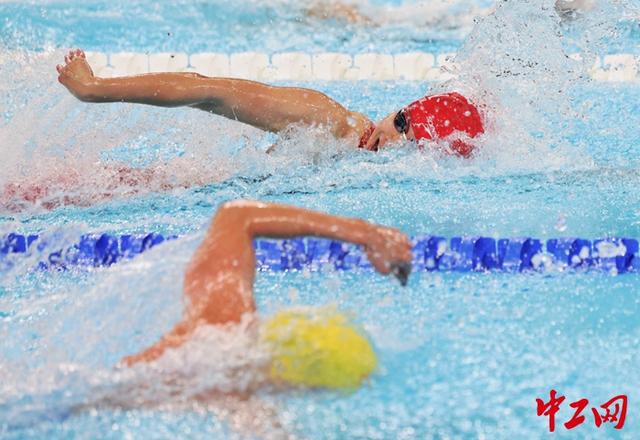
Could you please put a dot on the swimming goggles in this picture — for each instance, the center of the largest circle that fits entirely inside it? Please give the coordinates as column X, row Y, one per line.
column 401, row 123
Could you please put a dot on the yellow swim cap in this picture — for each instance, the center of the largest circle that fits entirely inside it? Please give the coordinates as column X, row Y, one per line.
column 317, row 348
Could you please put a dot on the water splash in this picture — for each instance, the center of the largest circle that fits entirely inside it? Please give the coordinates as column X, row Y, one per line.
column 65, row 331
column 516, row 58
column 514, row 64
column 64, row 344
column 521, row 64
column 83, row 154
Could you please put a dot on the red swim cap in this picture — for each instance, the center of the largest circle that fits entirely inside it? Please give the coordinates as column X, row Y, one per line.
column 438, row 116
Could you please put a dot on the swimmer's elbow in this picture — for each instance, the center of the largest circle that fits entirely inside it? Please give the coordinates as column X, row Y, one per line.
column 237, row 212
column 244, row 216
column 239, row 206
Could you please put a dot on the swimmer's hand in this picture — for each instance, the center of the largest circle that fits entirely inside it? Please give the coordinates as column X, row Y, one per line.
column 173, row 339
column 389, row 251
column 76, row 75
column 384, row 133
column 401, row 272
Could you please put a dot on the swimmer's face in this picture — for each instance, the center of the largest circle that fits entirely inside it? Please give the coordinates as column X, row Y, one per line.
column 389, row 131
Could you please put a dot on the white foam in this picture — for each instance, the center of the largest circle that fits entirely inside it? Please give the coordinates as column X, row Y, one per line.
column 522, row 73
column 73, row 151
column 514, row 63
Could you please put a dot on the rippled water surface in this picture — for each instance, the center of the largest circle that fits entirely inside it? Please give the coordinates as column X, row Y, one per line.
column 219, row 26
column 461, row 355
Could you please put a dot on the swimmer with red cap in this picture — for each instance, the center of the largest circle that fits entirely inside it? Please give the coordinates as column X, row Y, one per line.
column 449, row 117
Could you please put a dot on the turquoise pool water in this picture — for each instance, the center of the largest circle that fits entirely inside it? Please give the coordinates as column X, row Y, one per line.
column 219, row 26
column 274, row 26
column 462, row 355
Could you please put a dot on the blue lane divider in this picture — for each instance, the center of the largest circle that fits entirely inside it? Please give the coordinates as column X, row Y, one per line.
column 430, row 253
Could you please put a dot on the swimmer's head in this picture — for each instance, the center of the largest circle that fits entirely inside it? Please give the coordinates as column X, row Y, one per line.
column 317, row 348
column 435, row 117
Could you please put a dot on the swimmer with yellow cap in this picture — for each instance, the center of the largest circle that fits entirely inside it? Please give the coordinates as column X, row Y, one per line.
column 309, row 347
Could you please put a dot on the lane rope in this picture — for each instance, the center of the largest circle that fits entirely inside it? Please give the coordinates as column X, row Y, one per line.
column 430, row 253
column 300, row 66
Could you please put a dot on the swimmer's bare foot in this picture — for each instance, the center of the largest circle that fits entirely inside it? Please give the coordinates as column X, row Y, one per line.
column 76, row 75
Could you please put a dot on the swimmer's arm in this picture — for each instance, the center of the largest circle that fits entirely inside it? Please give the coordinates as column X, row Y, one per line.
column 281, row 221
column 222, row 269
column 386, row 247
column 260, row 105
column 219, row 280
column 173, row 339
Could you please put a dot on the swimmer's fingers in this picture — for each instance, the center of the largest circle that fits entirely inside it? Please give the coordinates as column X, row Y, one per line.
column 129, row 361
column 59, row 68
column 389, row 251
column 382, row 139
column 73, row 54
column 374, row 140
column 401, row 271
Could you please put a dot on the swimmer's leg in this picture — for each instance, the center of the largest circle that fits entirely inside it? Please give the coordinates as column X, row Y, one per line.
column 260, row 105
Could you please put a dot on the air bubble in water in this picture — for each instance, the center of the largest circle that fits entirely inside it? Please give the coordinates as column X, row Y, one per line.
column 561, row 223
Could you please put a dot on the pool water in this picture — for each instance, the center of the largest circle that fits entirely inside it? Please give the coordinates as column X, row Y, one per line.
column 276, row 26
column 218, row 26
column 461, row 355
